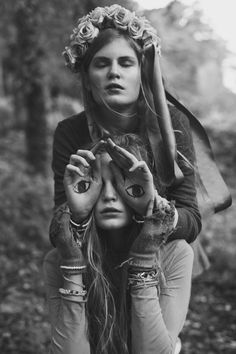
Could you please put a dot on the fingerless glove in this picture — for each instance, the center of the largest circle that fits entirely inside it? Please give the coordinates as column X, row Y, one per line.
column 155, row 231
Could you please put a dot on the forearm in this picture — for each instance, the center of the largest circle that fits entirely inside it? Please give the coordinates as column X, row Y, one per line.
column 158, row 314
column 68, row 333
column 149, row 332
column 67, row 312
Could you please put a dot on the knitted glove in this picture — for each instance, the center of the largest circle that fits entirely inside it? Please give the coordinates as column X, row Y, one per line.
column 68, row 240
column 155, row 231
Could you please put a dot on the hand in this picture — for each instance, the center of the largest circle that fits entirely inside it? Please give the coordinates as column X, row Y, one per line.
column 155, row 231
column 62, row 237
column 133, row 178
column 82, row 182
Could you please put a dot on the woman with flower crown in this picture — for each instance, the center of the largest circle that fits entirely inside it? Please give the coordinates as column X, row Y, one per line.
column 125, row 198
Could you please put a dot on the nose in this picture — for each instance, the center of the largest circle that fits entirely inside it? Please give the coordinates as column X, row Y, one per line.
column 109, row 193
column 114, row 70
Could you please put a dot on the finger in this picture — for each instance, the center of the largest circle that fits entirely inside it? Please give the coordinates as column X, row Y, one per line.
column 70, row 169
column 120, row 160
column 86, row 154
column 123, row 158
column 120, row 150
column 150, row 207
column 141, row 166
column 78, row 160
column 96, row 168
column 98, row 148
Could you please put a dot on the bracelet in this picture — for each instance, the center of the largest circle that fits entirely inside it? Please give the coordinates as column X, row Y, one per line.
column 143, row 279
column 72, row 292
column 65, row 267
column 80, row 226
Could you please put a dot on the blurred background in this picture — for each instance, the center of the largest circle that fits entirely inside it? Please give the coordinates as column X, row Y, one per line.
column 37, row 91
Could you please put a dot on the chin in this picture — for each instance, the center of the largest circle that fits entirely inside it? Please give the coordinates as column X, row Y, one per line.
column 112, row 224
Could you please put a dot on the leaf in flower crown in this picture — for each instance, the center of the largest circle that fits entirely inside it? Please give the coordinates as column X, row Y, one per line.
column 150, row 38
column 78, row 50
column 70, row 59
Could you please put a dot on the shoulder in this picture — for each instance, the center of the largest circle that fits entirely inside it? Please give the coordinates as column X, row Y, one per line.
column 73, row 130
column 76, row 121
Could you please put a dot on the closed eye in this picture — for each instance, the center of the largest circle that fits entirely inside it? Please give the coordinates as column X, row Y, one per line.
column 101, row 62
column 82, row 186
column 127, row 61
column 135, row 191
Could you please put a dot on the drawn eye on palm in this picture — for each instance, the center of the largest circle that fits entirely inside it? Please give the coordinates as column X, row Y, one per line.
column 133, row 178
column 82, row 181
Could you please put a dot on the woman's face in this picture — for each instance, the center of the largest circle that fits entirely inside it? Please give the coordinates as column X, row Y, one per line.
column 114, row 76
column 111, row 213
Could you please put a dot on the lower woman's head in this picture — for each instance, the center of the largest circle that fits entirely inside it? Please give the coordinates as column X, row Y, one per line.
column 111, row 212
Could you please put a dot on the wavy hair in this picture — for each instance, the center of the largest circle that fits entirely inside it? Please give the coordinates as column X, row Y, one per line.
column 106, row 309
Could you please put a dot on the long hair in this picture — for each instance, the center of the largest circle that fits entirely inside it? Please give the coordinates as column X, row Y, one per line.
column 106, row 308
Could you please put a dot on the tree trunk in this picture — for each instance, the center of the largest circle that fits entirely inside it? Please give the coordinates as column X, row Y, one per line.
column 30, row 72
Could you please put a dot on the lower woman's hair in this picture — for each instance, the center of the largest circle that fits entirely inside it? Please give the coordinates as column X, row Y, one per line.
column 107, row 327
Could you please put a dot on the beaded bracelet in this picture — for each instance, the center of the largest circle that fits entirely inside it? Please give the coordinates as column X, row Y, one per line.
column 80, row 226
column 70, row 270
column 71, row 292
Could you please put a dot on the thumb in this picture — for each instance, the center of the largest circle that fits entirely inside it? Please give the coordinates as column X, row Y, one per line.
column 150, row 207
column 96, row 165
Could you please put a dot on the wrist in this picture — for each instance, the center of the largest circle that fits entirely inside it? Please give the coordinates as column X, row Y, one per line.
column 73, row 281
column 79, row 218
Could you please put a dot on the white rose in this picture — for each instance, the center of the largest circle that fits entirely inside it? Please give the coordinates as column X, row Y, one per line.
column 97, row 16
column 136, row 28
column 111, row 10
column 86, row 32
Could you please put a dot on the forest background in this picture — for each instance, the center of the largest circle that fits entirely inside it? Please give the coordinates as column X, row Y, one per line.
column 36, row 92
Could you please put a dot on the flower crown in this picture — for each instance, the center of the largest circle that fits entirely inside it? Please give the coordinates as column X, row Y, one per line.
column 115, row 16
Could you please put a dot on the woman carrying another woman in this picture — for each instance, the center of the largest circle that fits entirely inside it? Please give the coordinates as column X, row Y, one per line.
column 125, row 209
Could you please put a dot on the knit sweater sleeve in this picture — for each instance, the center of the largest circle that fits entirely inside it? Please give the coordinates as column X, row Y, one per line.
column 184, row 194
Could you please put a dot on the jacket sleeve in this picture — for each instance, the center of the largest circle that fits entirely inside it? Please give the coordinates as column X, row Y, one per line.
column 70, row 135
column 184, row 194
column 67, row 318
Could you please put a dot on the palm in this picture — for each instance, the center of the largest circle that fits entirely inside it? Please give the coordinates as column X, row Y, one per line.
column 82, row 181
column 134, row 179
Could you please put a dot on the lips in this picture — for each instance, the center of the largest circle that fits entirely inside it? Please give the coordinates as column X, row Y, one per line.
column 110, row 210
column 114, row 86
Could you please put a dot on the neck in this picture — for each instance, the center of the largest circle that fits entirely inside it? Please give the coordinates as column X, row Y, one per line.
column 117, row 239
column 125, row 122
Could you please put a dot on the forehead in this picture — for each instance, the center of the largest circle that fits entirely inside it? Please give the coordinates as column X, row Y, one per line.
column 118, row 47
